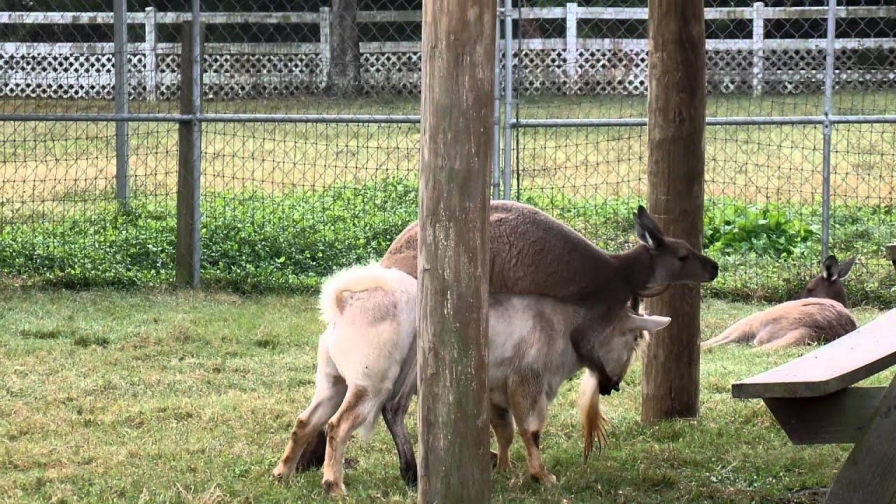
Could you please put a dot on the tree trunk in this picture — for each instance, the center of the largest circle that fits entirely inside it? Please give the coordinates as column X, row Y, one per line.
column 344, row 74
column 455, row 167
column 676, row 119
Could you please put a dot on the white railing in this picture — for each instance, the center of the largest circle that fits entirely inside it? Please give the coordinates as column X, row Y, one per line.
column 571, row 64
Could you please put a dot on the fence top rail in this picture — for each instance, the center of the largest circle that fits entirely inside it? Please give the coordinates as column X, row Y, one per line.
column 313, row 17
column 29, row 48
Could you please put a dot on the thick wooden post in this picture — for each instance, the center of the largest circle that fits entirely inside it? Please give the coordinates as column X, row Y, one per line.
column 457, row 136
column 676, row 117
column 189, row 169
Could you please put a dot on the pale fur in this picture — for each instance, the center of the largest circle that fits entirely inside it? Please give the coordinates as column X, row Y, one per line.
column 594, row 422
column 799, row 322
column 371, row 331
column 356, row 279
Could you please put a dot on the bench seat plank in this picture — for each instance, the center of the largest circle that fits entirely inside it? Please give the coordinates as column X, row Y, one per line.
column 864, row 352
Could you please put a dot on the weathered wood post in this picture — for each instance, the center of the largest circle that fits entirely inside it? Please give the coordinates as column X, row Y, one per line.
column 189, row 164
column 457, row 136
column 676, row 117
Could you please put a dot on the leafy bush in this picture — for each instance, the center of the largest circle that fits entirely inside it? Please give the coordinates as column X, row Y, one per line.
column 255, row 241
column 765, row 231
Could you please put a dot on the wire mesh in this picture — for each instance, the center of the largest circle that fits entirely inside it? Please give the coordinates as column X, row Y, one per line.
column 763, row 193
column 286, row 202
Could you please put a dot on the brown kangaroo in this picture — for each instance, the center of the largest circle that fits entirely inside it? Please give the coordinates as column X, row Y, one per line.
column 531, row 253
column 829, row 285
column 819, row 316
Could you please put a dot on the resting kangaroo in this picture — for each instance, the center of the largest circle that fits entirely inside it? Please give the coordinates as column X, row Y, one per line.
column 535, row 344
column 820, row 316
column 533, row 253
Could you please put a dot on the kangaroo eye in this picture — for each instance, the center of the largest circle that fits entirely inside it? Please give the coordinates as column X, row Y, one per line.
column 683, row 258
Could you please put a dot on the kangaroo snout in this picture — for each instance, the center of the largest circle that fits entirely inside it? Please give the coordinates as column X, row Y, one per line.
column 713, row 268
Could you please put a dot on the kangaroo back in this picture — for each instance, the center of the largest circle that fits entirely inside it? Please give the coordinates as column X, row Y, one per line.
column 802, row 321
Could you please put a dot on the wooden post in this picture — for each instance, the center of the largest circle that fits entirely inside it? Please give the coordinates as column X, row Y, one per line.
column 344, row 70
column 187, row 255
column 324, row 46
column 676, row 117
column 891, row 253
column 150, row 56
column 456, row 142
column 758, row 48
column 869, row 473
column 572, row 46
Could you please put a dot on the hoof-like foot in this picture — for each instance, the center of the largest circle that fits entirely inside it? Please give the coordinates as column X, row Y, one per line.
column 334, row 488
column 282, row 472
column 545, row 478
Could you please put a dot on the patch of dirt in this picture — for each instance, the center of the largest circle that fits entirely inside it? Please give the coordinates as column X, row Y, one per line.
column 805, row 496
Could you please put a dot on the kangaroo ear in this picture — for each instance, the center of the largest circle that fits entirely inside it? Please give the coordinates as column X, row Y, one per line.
column 830, row 268
column 648, row 230
column 846, row 267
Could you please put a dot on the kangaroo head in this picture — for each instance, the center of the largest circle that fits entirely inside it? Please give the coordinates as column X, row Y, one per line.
column 828, row 284
column 674, row 261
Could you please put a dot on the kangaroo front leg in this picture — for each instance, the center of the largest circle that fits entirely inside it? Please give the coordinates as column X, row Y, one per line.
column 502, row 424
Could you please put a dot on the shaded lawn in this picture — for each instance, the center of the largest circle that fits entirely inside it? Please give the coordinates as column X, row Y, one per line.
column 188, row 397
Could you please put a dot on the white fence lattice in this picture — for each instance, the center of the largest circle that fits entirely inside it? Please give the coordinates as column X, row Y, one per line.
column 570, row 65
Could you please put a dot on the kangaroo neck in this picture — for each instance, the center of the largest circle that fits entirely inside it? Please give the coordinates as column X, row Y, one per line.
column 634, row 269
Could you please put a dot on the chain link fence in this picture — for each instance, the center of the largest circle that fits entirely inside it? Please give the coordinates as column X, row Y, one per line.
column 304, row 136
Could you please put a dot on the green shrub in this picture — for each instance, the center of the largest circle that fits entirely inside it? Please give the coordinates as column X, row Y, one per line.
column 255, row 241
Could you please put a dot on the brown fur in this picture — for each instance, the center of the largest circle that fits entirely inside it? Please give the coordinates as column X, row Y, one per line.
column 339, row 428
column 819, row 316
column 799, row 322
column 829, row 284
column 533, row 253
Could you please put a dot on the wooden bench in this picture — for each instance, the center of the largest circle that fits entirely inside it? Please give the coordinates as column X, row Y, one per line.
column 813, row 400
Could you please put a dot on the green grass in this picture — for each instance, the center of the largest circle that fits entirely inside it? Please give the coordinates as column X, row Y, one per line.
column 285, row 204
column 189, row 397
column 761, row 163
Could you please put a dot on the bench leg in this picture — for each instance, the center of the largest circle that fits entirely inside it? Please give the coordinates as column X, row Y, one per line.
column 869, row 473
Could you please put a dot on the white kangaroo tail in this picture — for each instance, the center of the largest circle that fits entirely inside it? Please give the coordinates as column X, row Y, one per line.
column 594, row 423
column 354, row 279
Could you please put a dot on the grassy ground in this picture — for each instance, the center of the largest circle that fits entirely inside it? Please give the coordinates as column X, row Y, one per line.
column 767, row 163
column 183, row 397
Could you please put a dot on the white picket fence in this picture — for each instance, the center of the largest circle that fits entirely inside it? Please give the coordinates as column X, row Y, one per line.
column 568, row 65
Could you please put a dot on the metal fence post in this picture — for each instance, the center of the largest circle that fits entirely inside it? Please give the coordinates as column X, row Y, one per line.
column 828, row 129
column 150, row 56
column 496, row 147
column 758, row 48
column 120, row 39
column 324, row 45
column 508, row 96
column 572, row 46
column 189, row 156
